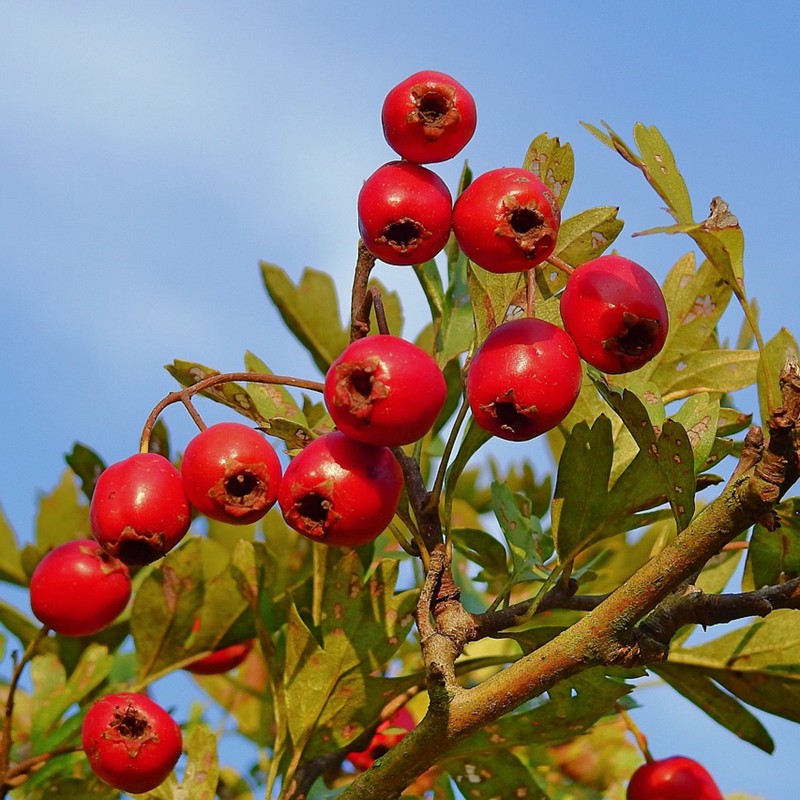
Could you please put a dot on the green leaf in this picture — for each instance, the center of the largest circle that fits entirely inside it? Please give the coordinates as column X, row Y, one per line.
column 202, row 766
column 708, row 371
column 191, row 583
column 310, row 310
column 54, row 693
column 485, row 776
column 587, row 235
column 583, row 700
column 774, row 556
column 522, row 533
column 696, row 300
column 719, row 705
column 10, row 557
column 698, row 416
column 327, row 675
column 482, row 549
column 18, row 624
column 62, row 515
column 491, row 295
column 658, row 163
column 666, row 454
column 759, row 663
column 86, row 465
column 777, row 351
column 272, row 400
column 553, row 163
column 230, row 394
column 582, row 487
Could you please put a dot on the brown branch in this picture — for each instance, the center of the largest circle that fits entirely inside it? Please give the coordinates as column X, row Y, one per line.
column 608, row 634
column 695, row 607
column 359, row 322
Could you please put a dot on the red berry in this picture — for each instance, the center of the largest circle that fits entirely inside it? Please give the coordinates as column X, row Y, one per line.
column 222, row 660
column 231, row 473
column 671, row 779
column 404, row 213
column 524, row 379
column 78, row 588
column 139, row 509
column 341, row 492
column 614, row 310
column 383, row 390
column 428, row 117
column 381, row 742
column 131, row 742
column 507, row 220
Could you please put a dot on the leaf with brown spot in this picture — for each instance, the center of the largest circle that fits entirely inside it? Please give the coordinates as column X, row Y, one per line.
column 553, row 163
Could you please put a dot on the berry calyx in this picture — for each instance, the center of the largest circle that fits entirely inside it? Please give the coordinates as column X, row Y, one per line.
column 139, row 509
column 507, row 220
column 339, row 491
column 384, row 390
column 615, row 311
column 231, row 473
column 428, row 117
column 67, row 576
column 389, row 733
column 672, row 778
column 404, row 213
column 131, row 742
column 523, row 379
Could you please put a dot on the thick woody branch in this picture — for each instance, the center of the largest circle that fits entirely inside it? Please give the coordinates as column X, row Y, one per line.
column 608, row 634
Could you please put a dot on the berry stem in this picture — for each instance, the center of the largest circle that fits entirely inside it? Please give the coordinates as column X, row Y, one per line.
column 193, row 413
column 559, row 263
column 639, row 737
column 530, row 293
column 441, row 472
column 359, row 325
column 184, row 395
column 374, row 299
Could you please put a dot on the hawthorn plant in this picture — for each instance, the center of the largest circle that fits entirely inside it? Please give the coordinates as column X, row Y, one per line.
column 380, row 609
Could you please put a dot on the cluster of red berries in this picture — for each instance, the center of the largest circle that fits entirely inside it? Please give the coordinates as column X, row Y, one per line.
column 525, row 377
column 344, row 487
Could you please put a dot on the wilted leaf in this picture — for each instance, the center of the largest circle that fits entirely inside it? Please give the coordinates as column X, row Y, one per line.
column 202, row 767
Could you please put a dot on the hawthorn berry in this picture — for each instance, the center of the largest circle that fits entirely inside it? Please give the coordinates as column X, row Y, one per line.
column 78, row 588
column 404, row 213
column 339, row 491
column 139, row 509
column 615, row 311
column 672, row 778
column 507, row 220
column 231, row 473
column 387, row 735
column 222, row 660
column 523, row 379
column 428, row 117
column 384, row 390
column 131, row 742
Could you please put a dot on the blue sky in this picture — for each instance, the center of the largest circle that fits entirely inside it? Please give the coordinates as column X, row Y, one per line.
column 151, row 154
